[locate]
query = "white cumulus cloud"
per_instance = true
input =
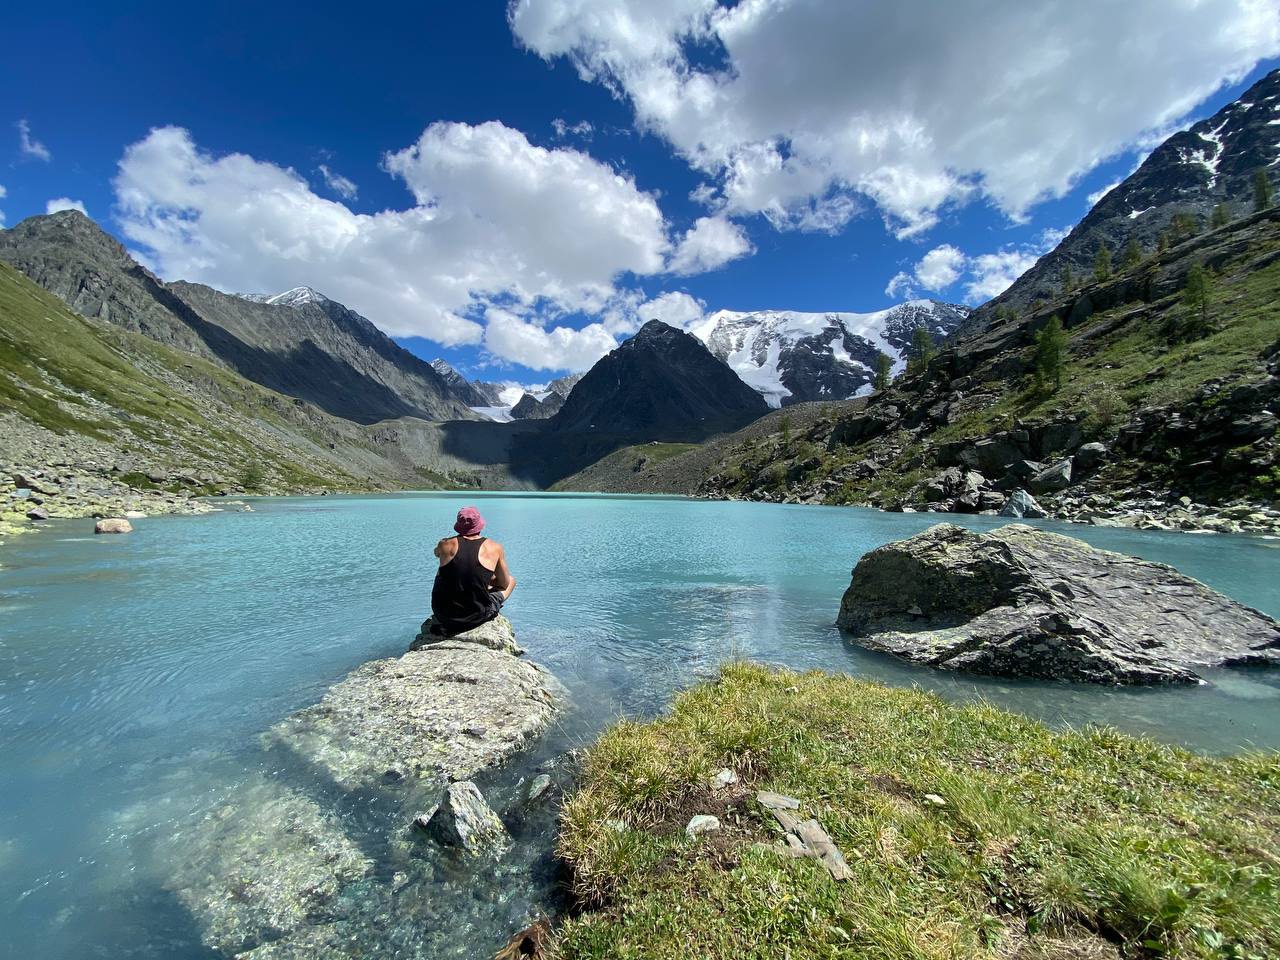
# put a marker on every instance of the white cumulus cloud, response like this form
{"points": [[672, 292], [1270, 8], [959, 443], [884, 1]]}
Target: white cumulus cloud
{"points": [[674, 307], [522, 340], [65, 203], [993, 273], [711, 242], [3, 194], [495, 221], [344, 187], [29, 146], [799, 109], [986, 275], [935, 271], [940, 267]]}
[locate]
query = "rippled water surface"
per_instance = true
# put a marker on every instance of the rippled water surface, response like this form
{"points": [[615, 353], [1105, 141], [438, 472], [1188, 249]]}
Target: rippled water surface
{"points": [[137, 672]]}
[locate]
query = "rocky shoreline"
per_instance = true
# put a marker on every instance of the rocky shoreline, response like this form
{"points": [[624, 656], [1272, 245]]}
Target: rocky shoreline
{"points": [[281, 869]]}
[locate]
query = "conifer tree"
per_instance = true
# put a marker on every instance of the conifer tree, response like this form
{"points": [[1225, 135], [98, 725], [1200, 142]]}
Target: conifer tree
{"points": [[1183, 226], [1068, 281], [1221, 217], [1051, 342], [922, 350], [1132, 253], [884, 371], [1102, 263], [1261, 190], [1197, 294]]}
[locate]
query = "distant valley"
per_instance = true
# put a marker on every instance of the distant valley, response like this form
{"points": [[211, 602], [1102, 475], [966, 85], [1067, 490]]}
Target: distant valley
{"points": [[121, 376]]}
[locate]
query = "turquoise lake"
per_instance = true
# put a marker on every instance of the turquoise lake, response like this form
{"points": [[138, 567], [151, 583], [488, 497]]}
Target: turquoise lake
{"points": [[137, 672]]}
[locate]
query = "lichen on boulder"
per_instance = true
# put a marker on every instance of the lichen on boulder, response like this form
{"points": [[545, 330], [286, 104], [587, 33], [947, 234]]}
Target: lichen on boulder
{"points": [[444, 711], [1023, 602], [497, 634]]}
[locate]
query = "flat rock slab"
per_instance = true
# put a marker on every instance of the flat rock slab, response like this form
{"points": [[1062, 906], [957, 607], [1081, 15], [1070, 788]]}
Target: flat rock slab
{"points": [[267, 863], [1022, 602], [443, 712], [497, 634]]}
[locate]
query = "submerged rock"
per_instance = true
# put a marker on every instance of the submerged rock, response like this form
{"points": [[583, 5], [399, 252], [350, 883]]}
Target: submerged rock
{"points": [[1026, 603], [265, 864], [497, 634], [445, 711]]}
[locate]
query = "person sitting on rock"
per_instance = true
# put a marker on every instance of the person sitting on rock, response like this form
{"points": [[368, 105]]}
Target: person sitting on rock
{"points": [[472, 582]]}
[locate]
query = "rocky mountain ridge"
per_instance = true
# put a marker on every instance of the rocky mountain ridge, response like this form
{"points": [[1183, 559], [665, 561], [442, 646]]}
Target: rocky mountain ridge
{"points": [[793, 357], [1211, 163], [298, 343]]}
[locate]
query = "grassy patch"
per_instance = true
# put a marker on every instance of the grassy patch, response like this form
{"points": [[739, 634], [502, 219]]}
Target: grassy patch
{"points": [[1080, 844]]}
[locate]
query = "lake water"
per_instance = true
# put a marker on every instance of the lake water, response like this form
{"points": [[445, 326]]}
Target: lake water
{"points": [[137, 672]]}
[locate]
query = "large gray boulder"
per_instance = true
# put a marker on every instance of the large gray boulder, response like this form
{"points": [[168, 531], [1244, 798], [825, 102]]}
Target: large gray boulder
{"points": [[446, 711], [1050, 479], [1022, 602], [497, 634], [1021, 504]]}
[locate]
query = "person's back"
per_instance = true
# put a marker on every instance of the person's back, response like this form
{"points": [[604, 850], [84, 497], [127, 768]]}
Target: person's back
{"points": [[472, 582]]}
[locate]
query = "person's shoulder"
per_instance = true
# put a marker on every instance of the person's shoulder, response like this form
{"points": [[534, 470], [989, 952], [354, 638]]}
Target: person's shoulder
{"points": [[496, 545], [446, 542]]}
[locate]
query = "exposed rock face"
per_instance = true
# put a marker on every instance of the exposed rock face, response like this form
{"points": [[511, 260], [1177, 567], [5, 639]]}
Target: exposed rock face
{"points": [[465, 820], [444, 711], [497, 634], [113, 525], [530, 407], [1022, 602], [662, 384]]}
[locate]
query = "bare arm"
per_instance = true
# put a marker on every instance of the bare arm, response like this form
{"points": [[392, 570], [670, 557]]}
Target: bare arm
{"points": [[502, 578]]}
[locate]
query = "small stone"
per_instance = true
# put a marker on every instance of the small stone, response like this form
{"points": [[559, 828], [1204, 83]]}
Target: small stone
{"points": [[134, 515], [702, 823], [776, 801], [37, 513], [723, 779], [113, 525], [934, 799], [540, 785]]}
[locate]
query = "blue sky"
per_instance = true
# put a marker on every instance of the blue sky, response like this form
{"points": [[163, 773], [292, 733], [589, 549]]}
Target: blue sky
{"points": [[835, 149]]}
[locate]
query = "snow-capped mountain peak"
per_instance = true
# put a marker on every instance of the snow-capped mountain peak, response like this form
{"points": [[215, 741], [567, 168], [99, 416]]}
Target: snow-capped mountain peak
{"points": [[296, 297], [788, 356]]}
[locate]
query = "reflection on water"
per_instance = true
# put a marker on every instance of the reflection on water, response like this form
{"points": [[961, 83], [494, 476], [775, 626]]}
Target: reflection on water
{"points": [[136, 673]]}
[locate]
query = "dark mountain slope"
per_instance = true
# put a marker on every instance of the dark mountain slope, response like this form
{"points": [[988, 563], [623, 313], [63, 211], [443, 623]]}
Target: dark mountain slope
{"points": [[662, 384], [1213, 162], [312, 348]]}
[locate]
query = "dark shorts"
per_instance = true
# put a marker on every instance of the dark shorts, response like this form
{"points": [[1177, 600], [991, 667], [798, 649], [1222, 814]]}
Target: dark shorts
{"points": [[493, 606]]}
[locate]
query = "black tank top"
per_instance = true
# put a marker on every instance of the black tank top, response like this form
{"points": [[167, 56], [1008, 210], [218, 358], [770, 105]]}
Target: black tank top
{"points": [[460, 596]]}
